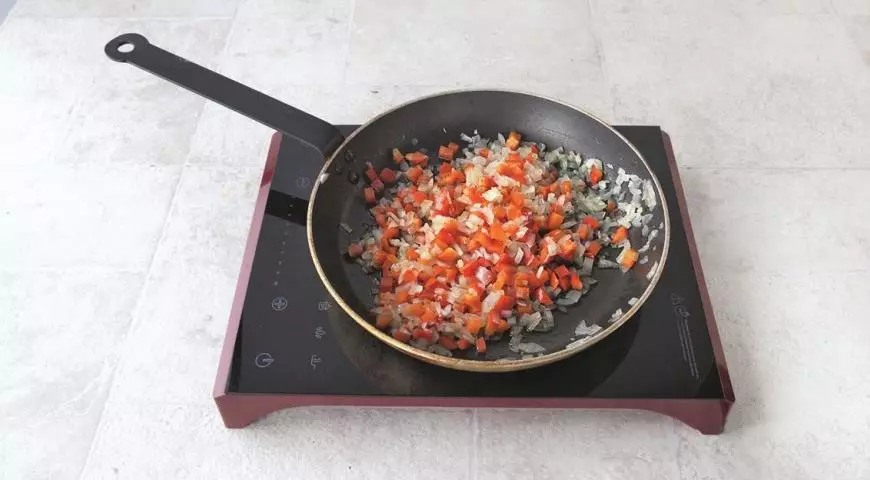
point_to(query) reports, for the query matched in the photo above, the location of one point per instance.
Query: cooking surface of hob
(294, 339)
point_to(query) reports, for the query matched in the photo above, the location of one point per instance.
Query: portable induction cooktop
(289, 345)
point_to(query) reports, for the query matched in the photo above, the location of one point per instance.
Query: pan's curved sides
(336, 199)
(435, 120)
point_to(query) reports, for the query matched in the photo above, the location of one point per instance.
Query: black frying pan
(430, 122)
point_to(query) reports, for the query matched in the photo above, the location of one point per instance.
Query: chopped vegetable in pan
(471, 244)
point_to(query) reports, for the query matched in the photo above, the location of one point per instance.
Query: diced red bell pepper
(445, 153)
(369, 194)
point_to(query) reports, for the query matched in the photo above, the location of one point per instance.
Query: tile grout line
(347, 43)
(122, 18)
(776, 169)
(475, 443)
(598, 39)
(136, 313)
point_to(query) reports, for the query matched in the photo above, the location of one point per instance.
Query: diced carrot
(514, 157)
(386, 284)
(591, 222)
(448, 255)
(492, 322)
(592, 249)
(401, 296)
(595, 175)
(522, 292)
(448, 342)
(611, 205)
(496, 232)
(584, 231)
(387, 175)
(446, 236)
(450, 225)
(414, 173)
(370, 172)
(468, 267)
(391, 232)
(554, 280)
(354, 249)
(409, 276)
(414, 309)
(500, 280)
(543, 277)
(445, 153)
(629, 257)
(517, 198)
(463, 344)
(473, 324)
(422, 334)
(499, 212)
(542, 297)
(484, 152)
(378, 185)
(369, 194)
(576, 283)
(523, 307)
(454, 147)
(562, 271)
(510, 170)
(506, 302)
(378, 258)
(513, 140)
(480, 344)
(416, 158)
(402, 336)
(534, 148)
(412, 254)
(428, 316)
(381, 219)
(397, 156)
(451, 274)
(383, 321)
(554, 221)
(567, 249)
(619, 235)
(566, 187)
(430, 284)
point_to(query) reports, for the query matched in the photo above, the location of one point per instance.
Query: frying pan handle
(135, 49)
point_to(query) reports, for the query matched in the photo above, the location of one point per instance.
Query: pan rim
(489, 366)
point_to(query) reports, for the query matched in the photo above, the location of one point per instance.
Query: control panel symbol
(303, 182)
(324, 306)
(315, 360)
(279, 304)
(319, 332)
(263, 360)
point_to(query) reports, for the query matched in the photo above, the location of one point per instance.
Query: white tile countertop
(125, 203)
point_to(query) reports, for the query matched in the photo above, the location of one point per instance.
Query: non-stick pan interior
(433, 121)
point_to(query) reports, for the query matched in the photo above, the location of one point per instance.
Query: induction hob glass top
(294, 339)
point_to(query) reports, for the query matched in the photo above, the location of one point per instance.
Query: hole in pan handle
(137, 50)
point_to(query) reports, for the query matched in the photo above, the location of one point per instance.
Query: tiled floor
(124, 204)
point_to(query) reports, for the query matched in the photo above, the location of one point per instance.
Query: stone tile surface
(175, 344)
(125, 203)
(60, 334)
(125, 8)
(324, 443)
(771, 91)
